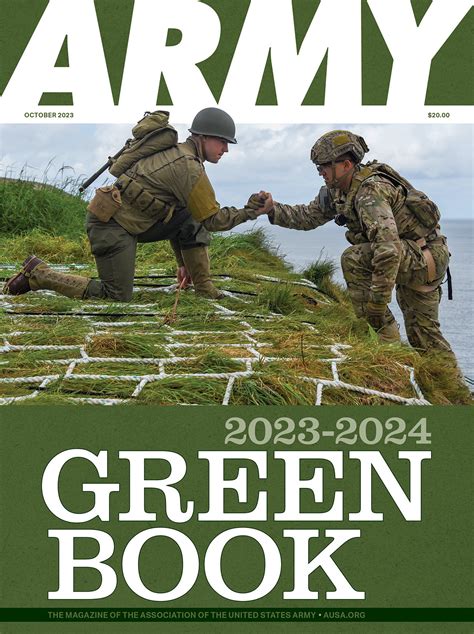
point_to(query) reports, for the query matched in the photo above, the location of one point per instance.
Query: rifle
(102, 169)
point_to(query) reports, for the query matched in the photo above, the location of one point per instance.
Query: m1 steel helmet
(334, 144)
(214, 122)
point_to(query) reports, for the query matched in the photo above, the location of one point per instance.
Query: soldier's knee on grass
(103, 290)
(120, 295)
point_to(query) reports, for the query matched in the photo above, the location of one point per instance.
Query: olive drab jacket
(177, 179)
(376, 213)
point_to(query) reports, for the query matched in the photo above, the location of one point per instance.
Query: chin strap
(335, 180)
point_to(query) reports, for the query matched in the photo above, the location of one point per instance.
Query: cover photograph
(236, 251)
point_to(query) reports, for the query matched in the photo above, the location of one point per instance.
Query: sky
(436, 158)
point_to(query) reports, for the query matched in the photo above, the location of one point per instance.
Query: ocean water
(456, 316)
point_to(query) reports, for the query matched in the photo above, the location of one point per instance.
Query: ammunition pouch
(424, 209)
(106, 202)
(141, 200)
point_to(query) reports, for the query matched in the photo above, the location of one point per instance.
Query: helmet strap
(337, 181)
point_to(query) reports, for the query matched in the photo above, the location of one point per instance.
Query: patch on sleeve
(202, 201)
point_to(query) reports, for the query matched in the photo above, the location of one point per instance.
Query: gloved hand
(260, 203)
(182, 276)
(376, 315)
(255, 201)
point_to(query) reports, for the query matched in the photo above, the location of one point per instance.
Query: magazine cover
(237, 302)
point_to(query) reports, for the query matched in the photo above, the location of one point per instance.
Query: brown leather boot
(19, 284)
(197, 263)
(36, 274)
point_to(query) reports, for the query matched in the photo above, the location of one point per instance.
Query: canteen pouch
(106, 202)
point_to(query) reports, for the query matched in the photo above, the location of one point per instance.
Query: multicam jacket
(376, 214)
(177, 178)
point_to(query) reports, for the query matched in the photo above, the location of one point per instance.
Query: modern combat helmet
(214, 122)
(334, 144)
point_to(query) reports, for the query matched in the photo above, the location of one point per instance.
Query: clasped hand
(261, 203)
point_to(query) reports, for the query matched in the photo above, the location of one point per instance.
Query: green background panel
(448, 82)
(398, 564)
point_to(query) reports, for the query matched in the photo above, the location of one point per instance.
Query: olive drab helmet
(334, 144)
(214, 122)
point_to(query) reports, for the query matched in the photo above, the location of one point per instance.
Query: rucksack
(424, 209)
(151, 134)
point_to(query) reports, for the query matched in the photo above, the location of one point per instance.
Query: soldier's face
(335, 174)
(214, 148)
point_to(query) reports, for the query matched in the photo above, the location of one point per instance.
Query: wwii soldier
(394, 234)
(166, 195)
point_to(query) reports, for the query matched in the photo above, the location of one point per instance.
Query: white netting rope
(248, 342)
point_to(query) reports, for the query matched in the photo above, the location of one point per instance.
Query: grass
(271, 390)
(278, 299)
(210, 362)
(239, 248)
(51, 248)
(188, 391)
(441, 380)
(321, 273)
(120, 345)
(283, 329)
(40, 206)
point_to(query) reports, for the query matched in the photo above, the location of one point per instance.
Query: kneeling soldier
(164, 196)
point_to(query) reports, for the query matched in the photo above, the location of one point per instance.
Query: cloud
(436, 157)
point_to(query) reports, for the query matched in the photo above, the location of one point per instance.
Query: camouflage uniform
(386, 252)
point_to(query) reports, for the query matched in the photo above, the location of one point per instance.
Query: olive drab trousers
(420, 308)
(114, 250)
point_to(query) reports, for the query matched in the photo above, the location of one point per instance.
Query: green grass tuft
(319, 271)
(279, 298)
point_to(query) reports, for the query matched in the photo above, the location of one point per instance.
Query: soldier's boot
(36, 274)
(389, 333)
(197, 264)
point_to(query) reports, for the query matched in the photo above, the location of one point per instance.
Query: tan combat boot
(197, 263)
(389, 333)
(36, 274)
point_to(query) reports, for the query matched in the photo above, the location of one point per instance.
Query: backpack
(424, 209)
(151, 134)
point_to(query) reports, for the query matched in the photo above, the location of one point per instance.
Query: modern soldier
(164, 196)
(395, 238)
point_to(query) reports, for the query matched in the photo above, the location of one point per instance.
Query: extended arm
(304, 217)
(194, 191)
(228, 217)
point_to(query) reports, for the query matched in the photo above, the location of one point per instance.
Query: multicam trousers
(420, 308)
